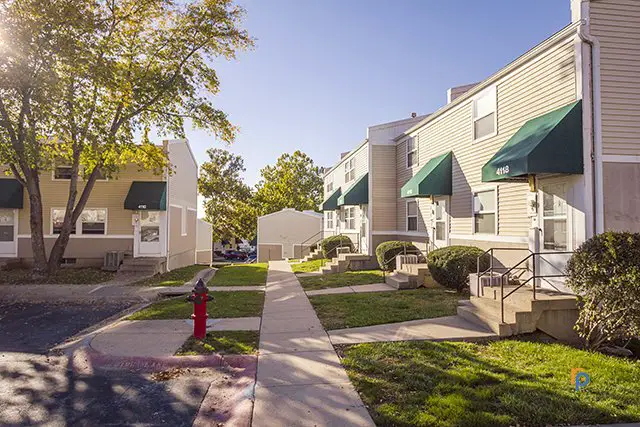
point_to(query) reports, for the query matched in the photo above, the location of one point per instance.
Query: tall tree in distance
(293, 182)
(80, 79)
(228, 200)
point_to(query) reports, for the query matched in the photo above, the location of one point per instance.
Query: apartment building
(138, 213)
(351, 206)
(537, 157)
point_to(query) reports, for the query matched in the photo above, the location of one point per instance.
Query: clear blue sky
(324, 70)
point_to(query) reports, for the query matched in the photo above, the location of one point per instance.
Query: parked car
(235, 255)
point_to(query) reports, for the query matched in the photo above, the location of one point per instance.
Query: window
(350, 170)
(62, 172)
(94, 221)
(440, 220)
(484, 212)
(57, 218)
(412, 215)
(412, 152)
(6, 225)
(554, 217)
(329, 219)
(149, 226)
(329, 185)
(350, 218)
(484, 114)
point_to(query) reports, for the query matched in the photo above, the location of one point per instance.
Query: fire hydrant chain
(199, 297)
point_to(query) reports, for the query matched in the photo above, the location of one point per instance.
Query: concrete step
(398, 281)
(139, 268)
(473, 314)
(522, 299)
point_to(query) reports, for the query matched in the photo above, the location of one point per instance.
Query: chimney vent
(414, 115)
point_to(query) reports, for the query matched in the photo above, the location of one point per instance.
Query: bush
(331, 243)
(386, 252)
(452, 265)
(605, 274)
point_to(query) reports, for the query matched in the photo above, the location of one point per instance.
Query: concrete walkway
(168, 291)
(300, 381)
(450, 328)
(358, 289)
(159, 338)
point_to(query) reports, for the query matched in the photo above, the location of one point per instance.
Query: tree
(228, 204)
(79, 80)
(293, 182)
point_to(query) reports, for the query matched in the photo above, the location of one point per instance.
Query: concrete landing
(358, 289)
(300, 380)
(450, 328)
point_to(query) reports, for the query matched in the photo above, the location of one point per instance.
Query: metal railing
(405, 251)
(492, 267)
(535, 274)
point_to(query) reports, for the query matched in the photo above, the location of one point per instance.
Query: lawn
(337, 280)
(64, 276)
(308, 266)
(224, 304)
(177, 277)
(241, 275)
(375, 308)
(221, 342)
(495, 384)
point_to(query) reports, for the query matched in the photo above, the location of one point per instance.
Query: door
(440, 223)
(8, 237)
(149, 233)
(364, 229)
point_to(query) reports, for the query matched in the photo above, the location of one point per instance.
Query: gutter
(596, 111)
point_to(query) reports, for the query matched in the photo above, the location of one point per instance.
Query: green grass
(241, 275)
(375, 308)
(64, 276)
(308, 266)
(221, 342)
(177, 277)
(224, 304)
(496, 384)
(349, 278)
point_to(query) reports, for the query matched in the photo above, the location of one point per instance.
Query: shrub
(452, 265)
(331, 243)
(605, 274)
(386, 253)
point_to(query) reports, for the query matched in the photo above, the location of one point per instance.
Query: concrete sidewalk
(300, 380)
(357, 289)
(449, 328)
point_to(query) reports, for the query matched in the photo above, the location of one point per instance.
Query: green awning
(551, 143)
(11, 193)
(434, 179)
(147, 196)
(331, 204)
(357, 194)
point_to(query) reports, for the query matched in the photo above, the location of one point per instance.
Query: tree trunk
(36, 223)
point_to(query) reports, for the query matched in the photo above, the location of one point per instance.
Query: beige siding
(622, 196)
(106, 194)
(539, 86)
(182, 247)
(616, 23)
(87, 251)
(361, 155)
(383, 190)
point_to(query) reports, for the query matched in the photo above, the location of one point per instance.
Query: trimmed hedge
(451, 266)
(605, 274)
(331, 243)
(387, 251)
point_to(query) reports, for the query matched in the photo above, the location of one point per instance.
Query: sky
(323, 71)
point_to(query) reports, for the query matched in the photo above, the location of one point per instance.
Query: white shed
(288, 234)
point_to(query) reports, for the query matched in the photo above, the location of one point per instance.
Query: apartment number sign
(503, 170)
(142, 207)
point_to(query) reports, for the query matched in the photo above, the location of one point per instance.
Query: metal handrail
(533, 277)
(491, 268)
(386, 262)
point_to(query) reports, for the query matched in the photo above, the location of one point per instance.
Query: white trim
(311, 214)
(416, 151)
(490, 238)
(53, 173)
(370, 199)
(400, 233)
(82, 236)
(482, 189)
(445, 219)
(16, 219)
(193, 210)
(174, 206)
(347, 156)
(617, 158)
(106, 221)
(350, 170)
(183, 221)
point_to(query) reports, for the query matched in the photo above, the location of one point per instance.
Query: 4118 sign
(502, 170)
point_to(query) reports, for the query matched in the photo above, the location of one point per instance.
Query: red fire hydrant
(199, 296)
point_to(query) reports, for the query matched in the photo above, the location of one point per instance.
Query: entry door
(149, 233)
(8, 227)
(440, 223)
(364, 229)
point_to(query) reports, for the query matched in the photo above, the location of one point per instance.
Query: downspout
(596, 112)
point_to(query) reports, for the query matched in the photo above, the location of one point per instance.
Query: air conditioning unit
(112, 260)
